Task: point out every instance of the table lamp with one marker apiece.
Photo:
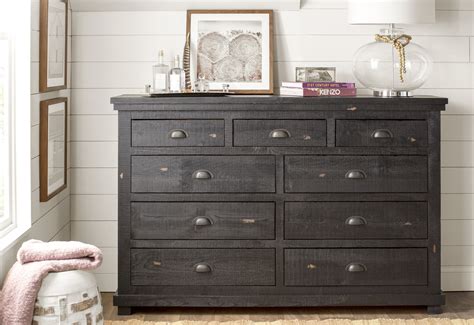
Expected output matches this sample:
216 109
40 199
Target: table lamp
393 65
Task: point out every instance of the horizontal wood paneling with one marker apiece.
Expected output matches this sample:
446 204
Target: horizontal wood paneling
136 74
457 154
107 282
99 233
94 128
457 255
457 281
99 154
457 232
440 4
288 48
94 181
457 128
94 207
97 101
457 206
457 180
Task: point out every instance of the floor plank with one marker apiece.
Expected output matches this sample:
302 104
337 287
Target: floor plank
459 305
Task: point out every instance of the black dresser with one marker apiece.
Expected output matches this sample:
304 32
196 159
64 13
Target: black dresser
246 201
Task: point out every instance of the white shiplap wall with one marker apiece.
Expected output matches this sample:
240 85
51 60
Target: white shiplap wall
113 54
50 220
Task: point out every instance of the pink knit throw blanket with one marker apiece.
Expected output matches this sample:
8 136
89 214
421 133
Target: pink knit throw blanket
35 260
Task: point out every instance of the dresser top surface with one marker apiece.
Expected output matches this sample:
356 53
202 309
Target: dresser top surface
144 102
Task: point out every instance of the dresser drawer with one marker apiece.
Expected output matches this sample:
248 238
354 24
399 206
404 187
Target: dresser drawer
306 174
210 220
177 133
356 267
356 220
203 174
381 133
274 133
211 267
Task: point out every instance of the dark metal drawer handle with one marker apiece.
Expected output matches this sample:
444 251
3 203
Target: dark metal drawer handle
356 174
356 267
202 221
202 268
382 134
356 221
178 134
279 134
202 174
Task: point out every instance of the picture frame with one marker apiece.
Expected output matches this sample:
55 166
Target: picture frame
315 74
53 147
232 49
53 45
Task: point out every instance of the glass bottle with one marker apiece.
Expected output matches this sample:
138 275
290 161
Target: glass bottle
160 75
177 77
201 85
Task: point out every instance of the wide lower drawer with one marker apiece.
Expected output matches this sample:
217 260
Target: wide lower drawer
203 174
381 133
355 267
210 220
275 133
211 267
356 220
356 174
177 133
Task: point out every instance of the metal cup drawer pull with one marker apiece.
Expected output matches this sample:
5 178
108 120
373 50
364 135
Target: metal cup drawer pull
356 268
202 221
356 174
356 221
382 134
178 134
202 174
202 268
280 134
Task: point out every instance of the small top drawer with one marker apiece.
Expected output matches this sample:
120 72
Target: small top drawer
278 133
177 133
381 133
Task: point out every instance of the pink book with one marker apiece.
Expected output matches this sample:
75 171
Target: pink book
318 92
318 85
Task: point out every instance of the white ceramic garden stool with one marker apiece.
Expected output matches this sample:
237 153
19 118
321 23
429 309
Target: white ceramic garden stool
68 298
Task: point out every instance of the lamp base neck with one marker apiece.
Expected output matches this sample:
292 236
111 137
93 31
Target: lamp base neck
392 93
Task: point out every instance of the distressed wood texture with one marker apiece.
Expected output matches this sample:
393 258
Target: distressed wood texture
381 133
181 267
350 267
355 174
178 133
356 220
294 202
199 220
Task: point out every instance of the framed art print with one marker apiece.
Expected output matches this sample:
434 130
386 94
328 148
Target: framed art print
53 147
232 47
53 45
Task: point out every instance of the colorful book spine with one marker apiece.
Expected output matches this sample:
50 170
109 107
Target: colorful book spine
345 85
335 92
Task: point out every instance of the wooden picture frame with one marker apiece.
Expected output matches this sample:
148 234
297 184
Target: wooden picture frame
53 147
244 39
53 48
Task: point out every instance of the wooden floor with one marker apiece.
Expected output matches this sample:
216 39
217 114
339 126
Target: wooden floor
459 305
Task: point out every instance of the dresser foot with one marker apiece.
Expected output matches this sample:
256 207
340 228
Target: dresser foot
434 310
124 311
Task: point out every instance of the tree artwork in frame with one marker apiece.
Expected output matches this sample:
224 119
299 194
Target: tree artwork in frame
232 47
53 147
53 45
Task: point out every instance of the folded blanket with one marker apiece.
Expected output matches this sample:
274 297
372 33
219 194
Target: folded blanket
35 260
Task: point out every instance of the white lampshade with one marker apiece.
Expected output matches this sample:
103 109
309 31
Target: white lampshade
381 12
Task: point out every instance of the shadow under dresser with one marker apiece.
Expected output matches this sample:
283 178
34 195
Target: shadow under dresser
267 201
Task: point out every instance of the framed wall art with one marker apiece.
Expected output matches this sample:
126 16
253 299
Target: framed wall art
232 47
53 45
53 147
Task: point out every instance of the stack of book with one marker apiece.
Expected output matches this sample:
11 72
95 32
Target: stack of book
318 89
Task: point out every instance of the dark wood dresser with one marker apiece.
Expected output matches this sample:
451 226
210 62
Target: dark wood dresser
247 201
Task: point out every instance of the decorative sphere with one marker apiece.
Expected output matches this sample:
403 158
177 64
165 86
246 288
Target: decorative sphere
377 66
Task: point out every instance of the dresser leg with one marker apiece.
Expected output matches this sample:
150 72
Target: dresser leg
124 311
434 310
